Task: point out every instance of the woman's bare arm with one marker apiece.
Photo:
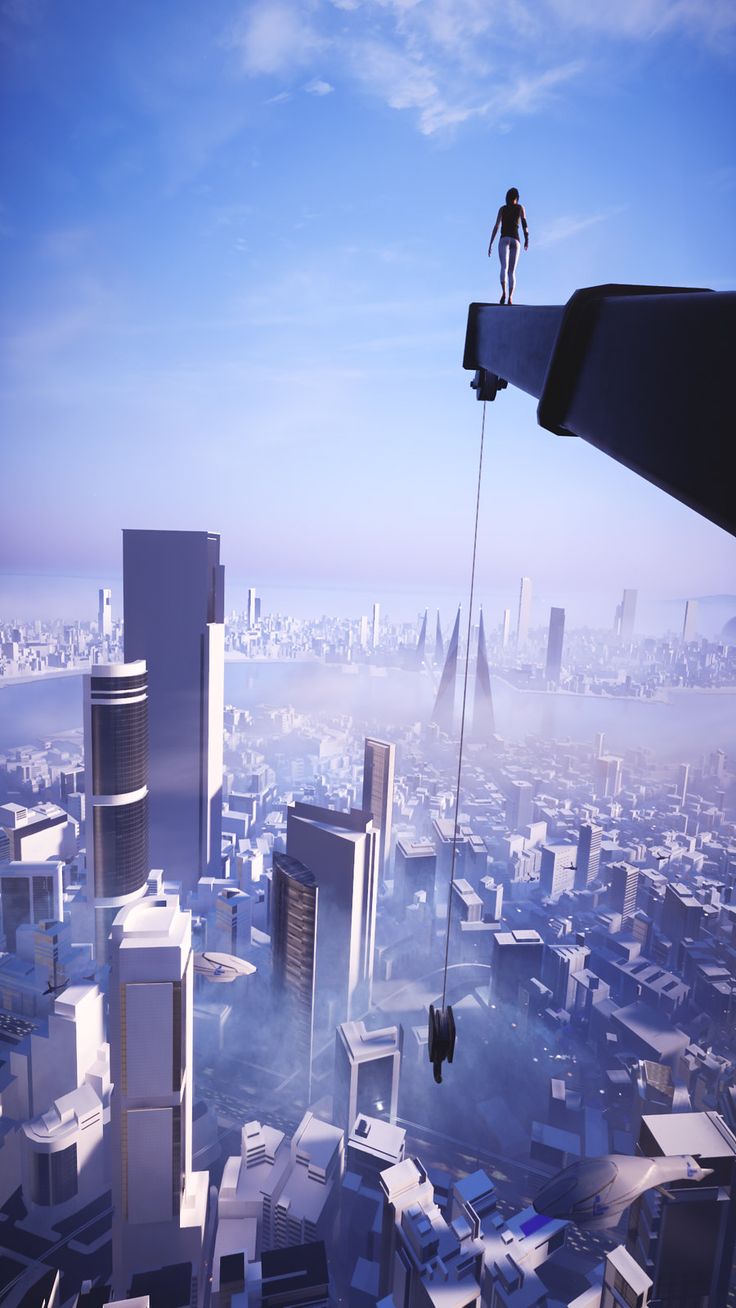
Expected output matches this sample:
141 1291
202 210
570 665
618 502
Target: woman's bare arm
495 229
526 229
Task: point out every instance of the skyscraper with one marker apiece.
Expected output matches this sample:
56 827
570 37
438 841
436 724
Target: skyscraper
483 718
519 805
251 607
689 622
116 790
294 918
625 1284
623 882
339 849
375 626
555 638
104 613
683 1234
525 608
444 706
589 854
367 1067
505 627
683 773
378 795
628 614
160 1204
173 598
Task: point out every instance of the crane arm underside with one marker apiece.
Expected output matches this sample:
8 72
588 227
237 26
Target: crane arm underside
640 372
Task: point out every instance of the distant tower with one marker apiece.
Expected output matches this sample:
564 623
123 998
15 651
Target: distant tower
683 773
505 627
378 795
251 607
363 632
421 649
173 583
599 741
483 719
519 805
294 918
439 644
444 705
376 625
116 790
555 638
104 613
689 621
340 850
159 1203
525 607
628 614
589 854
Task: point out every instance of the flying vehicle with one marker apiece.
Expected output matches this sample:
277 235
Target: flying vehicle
594 1192
221 968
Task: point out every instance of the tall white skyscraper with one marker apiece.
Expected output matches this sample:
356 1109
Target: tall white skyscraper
340 850
173 584
375 627
251 607
104 614
689 622
160 1204
525 608
116 790
505 627
628 614
378 795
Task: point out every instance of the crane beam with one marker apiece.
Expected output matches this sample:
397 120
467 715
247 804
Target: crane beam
644 373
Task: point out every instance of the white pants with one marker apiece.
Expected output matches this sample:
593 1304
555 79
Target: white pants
508 253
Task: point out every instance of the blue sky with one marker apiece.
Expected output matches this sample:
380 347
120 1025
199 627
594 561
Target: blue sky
238 244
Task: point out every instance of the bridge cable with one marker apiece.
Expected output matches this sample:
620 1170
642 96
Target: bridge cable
465 701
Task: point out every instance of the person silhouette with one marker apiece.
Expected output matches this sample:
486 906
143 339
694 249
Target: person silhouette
508 218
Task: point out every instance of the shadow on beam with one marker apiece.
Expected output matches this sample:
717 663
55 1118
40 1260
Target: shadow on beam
641 372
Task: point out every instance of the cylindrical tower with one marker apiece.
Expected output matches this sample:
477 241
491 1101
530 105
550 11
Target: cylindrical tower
116 787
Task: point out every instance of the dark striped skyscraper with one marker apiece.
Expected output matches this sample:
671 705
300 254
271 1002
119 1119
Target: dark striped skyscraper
378 794
294 901
116 787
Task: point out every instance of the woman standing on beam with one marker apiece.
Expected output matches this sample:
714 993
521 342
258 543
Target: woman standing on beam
508 218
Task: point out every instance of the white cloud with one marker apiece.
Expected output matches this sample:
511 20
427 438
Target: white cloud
567 226
449 61
274 37
705 20
318 87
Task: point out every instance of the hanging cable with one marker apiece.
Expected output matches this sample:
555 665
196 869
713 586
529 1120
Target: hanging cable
464 707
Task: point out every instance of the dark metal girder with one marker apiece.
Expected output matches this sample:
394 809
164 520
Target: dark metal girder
641 372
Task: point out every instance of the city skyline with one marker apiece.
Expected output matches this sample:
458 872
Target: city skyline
281 209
